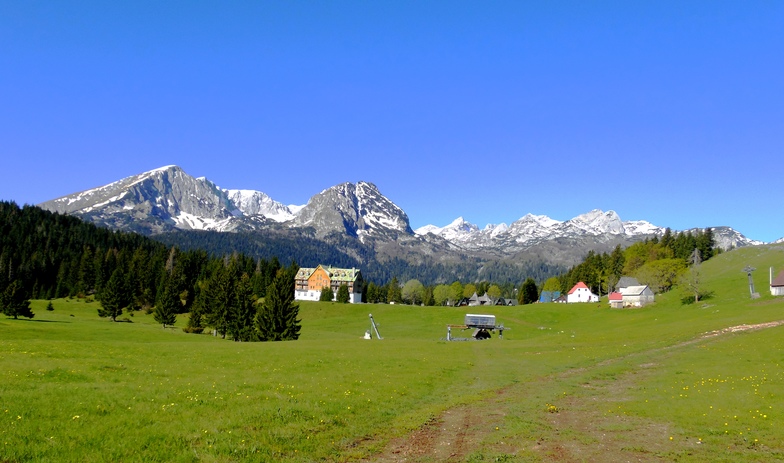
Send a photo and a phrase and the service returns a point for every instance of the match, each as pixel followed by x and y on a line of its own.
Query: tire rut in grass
pixel 450 437
pixel 580 432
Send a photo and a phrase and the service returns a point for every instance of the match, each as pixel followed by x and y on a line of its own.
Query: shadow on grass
pixel 34 320
pixel 688 300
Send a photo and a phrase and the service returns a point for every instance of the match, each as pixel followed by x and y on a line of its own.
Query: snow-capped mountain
pixel 355 217
pixel 458 230
pixel 535 229
pixel 728 238
pixel 532 229
pixel 356 209
pixel 167 198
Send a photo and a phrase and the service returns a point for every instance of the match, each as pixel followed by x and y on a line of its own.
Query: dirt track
pixel 458 432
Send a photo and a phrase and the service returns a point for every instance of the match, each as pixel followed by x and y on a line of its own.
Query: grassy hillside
pixel 575 382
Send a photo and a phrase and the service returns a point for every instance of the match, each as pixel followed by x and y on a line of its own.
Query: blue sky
pixel 671 112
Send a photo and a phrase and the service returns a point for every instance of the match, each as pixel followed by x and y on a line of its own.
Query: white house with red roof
pixel 581 293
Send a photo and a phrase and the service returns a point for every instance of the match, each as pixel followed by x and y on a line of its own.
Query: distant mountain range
pixel 356 218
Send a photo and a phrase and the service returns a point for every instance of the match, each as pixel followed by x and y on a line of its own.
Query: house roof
pixel 625 282
pixel 482 298
pixel 779 280
pixel 549 296
pixel 336 274
pixel 616 296
pixel 633 290
pixel 579 285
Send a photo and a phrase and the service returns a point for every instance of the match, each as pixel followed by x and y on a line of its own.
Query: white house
pixel 581 293
pixel 637 296
pixel 777 284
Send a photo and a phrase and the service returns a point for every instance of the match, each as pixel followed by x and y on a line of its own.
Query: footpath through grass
pixel 74 387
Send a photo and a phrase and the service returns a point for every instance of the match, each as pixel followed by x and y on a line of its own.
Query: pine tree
pixel 219 298
pixel 394 293
pixel 243 311
pixel 86 271
pixel 616 262
pixel 196 317
pixel 113 297
pixel 530 293
pixel 167 307
pixel 371 293
pixel 705 243
pixel 276 320
pixel 14 303
pixel 343 295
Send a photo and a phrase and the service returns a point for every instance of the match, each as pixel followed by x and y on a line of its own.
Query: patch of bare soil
pixel 449 438
pixel 590 427
pixel 736 329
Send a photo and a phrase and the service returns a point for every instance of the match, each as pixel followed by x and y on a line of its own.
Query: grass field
pixel 578 382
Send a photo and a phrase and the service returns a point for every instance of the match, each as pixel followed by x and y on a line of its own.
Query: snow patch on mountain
pixel 252 202
pixel 295 208
pixel 455 231
pixel 535 228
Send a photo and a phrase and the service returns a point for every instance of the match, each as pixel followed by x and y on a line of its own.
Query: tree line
pixel 347 252
pixel 660 263
pixel 45 255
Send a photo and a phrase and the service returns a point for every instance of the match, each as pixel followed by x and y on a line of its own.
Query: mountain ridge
pixel 167 199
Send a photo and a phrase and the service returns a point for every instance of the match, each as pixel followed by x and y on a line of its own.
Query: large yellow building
pixel 310 281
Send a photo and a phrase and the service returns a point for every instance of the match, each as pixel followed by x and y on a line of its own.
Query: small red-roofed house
pixel 616 300
pixel 581 293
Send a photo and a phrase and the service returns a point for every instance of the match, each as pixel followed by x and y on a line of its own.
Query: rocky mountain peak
pixel 598 222
pixel 168 198
pixel 357 209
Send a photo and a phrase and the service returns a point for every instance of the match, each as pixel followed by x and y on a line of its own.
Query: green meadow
pixel 577 382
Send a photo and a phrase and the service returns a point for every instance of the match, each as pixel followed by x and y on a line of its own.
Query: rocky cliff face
pixel 355 209
pixel 167 198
